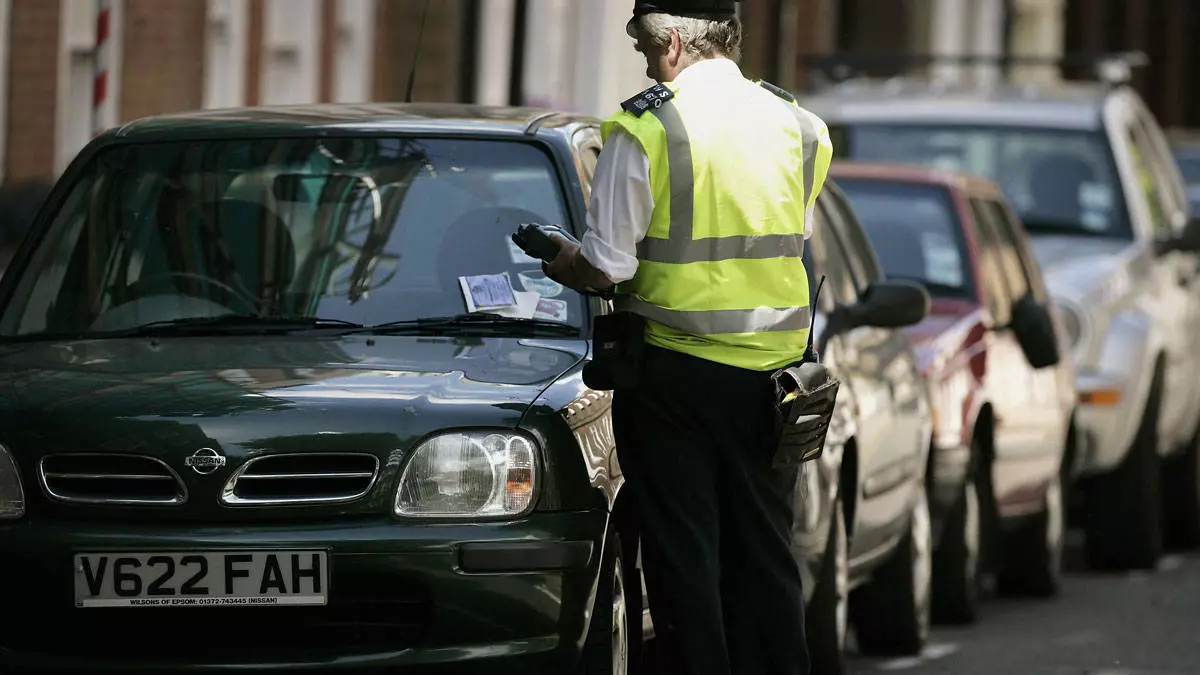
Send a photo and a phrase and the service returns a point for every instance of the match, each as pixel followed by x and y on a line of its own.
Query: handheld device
pixel 535 239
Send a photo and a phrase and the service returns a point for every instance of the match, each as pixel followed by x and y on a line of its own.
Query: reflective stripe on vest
pixel 680 247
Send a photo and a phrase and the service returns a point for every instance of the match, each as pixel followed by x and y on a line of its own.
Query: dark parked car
pixel 991 349
pixel 243 407
pixel 862 528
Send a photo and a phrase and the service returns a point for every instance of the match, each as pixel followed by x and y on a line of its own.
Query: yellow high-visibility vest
pixel 732 170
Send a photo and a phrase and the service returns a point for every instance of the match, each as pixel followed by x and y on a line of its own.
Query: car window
pixel 915 232
pixel 829 259
pixel 1012 261
pixel 1057 180
pixel 1189 166
pixel 1171 190
pixel 991 266
pixel 863 261
pixel 367 230
pixel 1149 179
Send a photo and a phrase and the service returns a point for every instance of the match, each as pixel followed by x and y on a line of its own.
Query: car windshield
pixel 361 230
pixel 1189 165
pixel 1059 181
pixel 915 232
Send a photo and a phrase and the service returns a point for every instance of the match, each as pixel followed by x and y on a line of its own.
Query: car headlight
pixel 1072 322
pixel 12 495
pixel 469 475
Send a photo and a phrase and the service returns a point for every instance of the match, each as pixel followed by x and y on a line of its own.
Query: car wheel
pixel 1181 498
pixel 1032 554
pixel 1122 520
pixel 891 612
pixel 615 636
pixel 827 614
pixel 956 561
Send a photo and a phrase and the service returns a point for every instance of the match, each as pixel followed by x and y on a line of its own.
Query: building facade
pixel 163 56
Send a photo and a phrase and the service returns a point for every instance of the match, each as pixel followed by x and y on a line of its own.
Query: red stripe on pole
pixel 100 89
pixel 101 27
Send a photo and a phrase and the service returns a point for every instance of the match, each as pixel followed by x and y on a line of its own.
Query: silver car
pixel 1089 172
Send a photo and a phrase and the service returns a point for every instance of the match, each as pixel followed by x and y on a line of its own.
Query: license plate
pixel 200 579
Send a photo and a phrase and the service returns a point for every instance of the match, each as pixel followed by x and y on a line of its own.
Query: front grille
pixel 100 478
pixel 367 609
pixel 308 478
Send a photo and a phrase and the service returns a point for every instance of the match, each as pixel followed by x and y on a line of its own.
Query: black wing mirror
pixel 892 303
pixel 1187 241
pixel 1033 327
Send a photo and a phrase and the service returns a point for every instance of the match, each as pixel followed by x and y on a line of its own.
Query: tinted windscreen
pixel 915 232
pixel 367 230
pixel 1058 181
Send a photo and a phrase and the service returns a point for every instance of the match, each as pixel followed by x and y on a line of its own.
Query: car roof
pixel 908 173
pixel 341 118
pixel 1069 105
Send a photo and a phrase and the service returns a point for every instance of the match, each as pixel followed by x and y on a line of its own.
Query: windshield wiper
pixel 467 323
pixel 228 323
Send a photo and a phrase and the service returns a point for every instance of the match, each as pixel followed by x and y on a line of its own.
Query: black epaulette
pixel 781 93
pixel 653 97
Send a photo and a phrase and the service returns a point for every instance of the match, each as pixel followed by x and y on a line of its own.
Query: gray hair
pixel 701 37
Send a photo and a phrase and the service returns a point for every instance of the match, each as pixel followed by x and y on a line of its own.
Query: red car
pixel 991 351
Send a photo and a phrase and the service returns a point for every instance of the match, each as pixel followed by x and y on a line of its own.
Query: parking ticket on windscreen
pixel 488 291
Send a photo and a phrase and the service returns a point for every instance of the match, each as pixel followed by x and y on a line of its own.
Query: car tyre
pixel 1032 554
pixel 1181 498
pixel 891 612
pixel 827 614
pixel 614 639
pixel 956 561
pixel 1123 521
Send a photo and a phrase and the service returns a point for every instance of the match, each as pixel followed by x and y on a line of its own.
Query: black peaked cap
pixel 686 7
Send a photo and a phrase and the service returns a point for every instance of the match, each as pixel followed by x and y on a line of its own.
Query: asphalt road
pixel 1119 624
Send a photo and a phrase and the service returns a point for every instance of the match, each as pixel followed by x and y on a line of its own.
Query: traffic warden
pixel 702 199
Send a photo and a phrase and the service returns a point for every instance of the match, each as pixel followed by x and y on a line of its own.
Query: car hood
pixel 948 328
pixel 243 396
pixel 1078 263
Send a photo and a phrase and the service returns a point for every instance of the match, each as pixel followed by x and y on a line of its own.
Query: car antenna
pixel 412 74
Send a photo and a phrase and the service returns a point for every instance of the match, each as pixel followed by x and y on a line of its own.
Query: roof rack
pixel 1113 69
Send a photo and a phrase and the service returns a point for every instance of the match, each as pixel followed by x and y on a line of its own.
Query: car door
pixel 1038 424
pixel 1174 301
pixel 893 418
pixel 1009 378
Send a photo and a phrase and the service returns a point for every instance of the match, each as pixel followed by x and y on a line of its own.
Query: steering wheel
pixel 239 294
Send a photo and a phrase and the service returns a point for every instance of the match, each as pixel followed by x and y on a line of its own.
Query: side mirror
pixel 1187 241
pixel 892 303
pixel 1033 327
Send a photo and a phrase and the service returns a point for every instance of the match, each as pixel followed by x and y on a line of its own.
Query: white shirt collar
pixel 709 68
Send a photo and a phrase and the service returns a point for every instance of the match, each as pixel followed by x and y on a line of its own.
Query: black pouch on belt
pixel 805 398
pixel 805 395
pixel 618 349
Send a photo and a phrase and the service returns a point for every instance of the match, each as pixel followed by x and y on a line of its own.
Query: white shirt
pixel 622 202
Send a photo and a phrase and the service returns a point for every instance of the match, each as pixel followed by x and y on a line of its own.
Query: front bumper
pixel 478 598
pixel 1110 410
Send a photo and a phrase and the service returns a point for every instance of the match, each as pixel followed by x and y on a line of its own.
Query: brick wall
pixel 32 90
pixel 163 64
pixel 440 65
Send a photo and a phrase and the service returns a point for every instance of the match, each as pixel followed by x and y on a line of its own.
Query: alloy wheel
pixel 620 623
pixel 922 568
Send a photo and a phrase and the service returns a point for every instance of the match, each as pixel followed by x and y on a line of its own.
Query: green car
pixel 278 380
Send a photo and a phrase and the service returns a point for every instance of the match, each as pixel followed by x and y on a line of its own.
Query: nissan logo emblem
pixel 205 461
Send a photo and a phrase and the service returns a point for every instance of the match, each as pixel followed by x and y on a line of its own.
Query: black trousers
pixel 694 441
